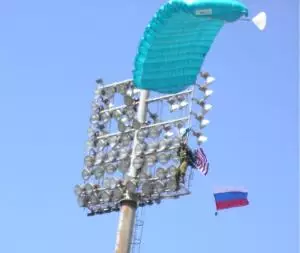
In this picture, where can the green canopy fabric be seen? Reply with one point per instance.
(176, 41)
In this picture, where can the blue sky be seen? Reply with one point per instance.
(50, 54)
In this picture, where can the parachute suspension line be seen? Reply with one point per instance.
(138, 231)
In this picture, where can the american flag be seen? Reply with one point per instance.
(201, 161)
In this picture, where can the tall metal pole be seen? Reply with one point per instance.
(129, 203)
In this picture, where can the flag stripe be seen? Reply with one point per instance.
(232, 203)
(227, 196)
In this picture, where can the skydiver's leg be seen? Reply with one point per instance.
(183, 169)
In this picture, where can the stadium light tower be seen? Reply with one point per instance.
(131, 158)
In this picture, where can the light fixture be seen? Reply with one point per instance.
(78, 189)
(117, 194)
(98, 171)
(110, 168)
(163, 158)
(138, 162)
(154, 132)
(142, 134)
(175, 142)
(151, 147)
(163, 144)
(123, 166)
(161, 173)
(102, 143)
(105, 117)
(125, 139)
(100, 158)
(117, 114)
(124, 153)
(105, 196)
(109, 183)
(159, 187)
(82, 201)
(140, 148)
(200, 137)
(136, 124)
(150, 160)
(172, 170)
(86, 174)
(147, 188)
(121, 126)
(131, 186)
(89, 161)
(171, 185)
(128, 100)
(89, 188)
(111, 156)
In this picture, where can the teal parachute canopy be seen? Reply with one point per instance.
(176, 41)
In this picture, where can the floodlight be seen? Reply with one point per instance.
(82, 201)
(161, 173)
(163, 158)
(89, 161)
(168, 134)
(92, 152)
(140, 148)
(94, 118)
(136, 124)
(151, 147)
(150, 160)
(138, 162)
(159, 187)
(207, 108)
(124, 119)
(201, 139)
(142, 134)
(121, 126)
(208, 93)
(113, 141)
(174, 107)
(183, 103)
(86, 174)
(147, 188)
(124, 166)
(111, 156)
(154, 132)
(175, 142)
(122, 89)
(105, 117)
(143, 176)
(78, 189)
(117, 194)
(117, 114)
(98, 171)
(94, 200)
(124, 153)
(109, 182)
(204, 123)
(172, 170)
(131, 186)
(105, 195)
(101, 144)
(125, 140)
(163, 145)
(172, 100)
(110, 168)
(171, 184)
(89, 188)
(100, 158)
(209, 80)
(128, 100)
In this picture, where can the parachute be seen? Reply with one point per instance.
(177, 39)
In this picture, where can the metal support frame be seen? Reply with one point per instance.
(129, 204)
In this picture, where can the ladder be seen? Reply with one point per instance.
(138, 231)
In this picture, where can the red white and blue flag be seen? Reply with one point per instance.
(201, 161)
(230, 198)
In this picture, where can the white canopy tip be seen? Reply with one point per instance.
(260, 20)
